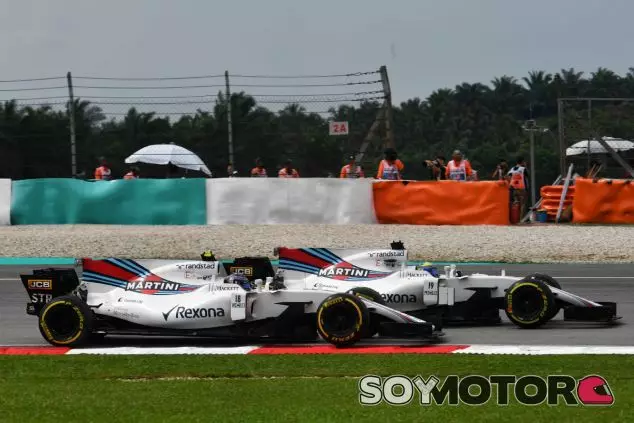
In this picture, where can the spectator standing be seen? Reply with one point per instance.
(518, 179)
(231, 173)
(458, 169)
(288, 171)
(501, 170)
(258, 171)
(103, 172)
(133, 173)
(351, 170)
(437, 167)
(390, 167)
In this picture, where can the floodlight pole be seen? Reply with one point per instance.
(531, 127)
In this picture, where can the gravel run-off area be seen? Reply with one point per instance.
(523, 244)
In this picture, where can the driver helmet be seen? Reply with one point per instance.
(429, 268)
(240, 280)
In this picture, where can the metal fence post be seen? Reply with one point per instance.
(229, 121)
(71, 116)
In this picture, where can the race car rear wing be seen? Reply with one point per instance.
(45, 284)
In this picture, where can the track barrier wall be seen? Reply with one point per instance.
(118, 202)
(5, 202)
(603, 201)
(286, 201)
(442, 202)
(281, 200)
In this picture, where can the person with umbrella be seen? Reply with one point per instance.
(133, 173)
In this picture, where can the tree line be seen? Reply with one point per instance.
(483, 120)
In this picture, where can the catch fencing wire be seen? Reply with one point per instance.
(103, 103)
(194, 99)
(33, 123)
(304, 105)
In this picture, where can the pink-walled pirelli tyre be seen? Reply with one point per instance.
(529, 303)
(342, 319)
(66, 321)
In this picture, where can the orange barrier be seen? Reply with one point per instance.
(551, 195)
(603, 202)
(441, 202)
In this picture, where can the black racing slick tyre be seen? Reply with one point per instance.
(66, 322)
(529, 303)
(372, 328)
(550, 281)
(342, 319)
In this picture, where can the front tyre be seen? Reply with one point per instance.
(529, 303)
(372, 328)
(550, 281)
(342, 319)
(66, 322)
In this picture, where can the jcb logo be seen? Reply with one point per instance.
(41, 284)
(246, 271)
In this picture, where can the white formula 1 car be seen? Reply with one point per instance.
(383, 276)
(199, 298)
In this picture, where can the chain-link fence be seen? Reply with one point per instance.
(69, 123)
(582, 121)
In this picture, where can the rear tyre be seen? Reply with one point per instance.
(342, 319)
(528, 303)
(373, 326)
(550, 281)
(66, 321)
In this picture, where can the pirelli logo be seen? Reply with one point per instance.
(46, 284)
(246, 271)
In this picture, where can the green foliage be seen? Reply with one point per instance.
(485, 121)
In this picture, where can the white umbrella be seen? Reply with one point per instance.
(581, 147)
(162, 154)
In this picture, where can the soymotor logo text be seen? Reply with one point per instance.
(478, 390)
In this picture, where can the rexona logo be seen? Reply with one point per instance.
(399, 298)
(194, 313)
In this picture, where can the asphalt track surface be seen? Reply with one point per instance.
(598, 282)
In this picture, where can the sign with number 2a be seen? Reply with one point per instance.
(338, 128)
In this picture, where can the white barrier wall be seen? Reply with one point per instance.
(287, 200)
(5, 202)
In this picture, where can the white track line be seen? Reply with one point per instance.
(165, 350)
(546, 349)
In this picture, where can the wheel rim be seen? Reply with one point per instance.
(339, 319)
(527, 303)
(62, 322)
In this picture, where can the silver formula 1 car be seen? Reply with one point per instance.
(200, 298)
(383, 276)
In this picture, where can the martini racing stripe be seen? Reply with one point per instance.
(130, 266)
(318, 252)
(293, 265)
(326, 252)
(89, 276)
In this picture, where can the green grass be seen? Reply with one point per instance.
(92, 388)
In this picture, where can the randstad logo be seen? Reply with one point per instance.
(553, 390)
